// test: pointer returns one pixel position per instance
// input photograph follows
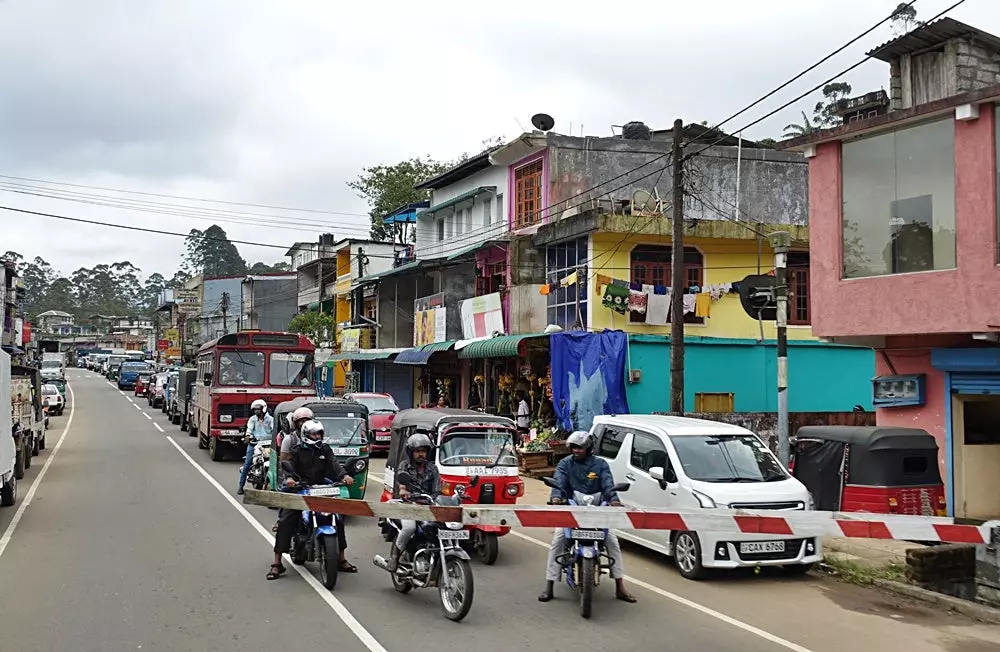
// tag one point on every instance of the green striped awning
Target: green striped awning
(438, 346)
(501, 346)
(362, 355)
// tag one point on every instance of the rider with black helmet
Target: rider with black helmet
(424, 479)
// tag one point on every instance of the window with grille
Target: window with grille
(650, 265)
(562, 259)
(492, 278)
(798, 289)
(528, 194)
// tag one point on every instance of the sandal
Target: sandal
(347, 567)
(277, 570)
(625, 597)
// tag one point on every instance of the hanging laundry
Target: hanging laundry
(620, 283)
(661, 289)
(658, 309)
(616, 298)
(637, 302)
(702, 304)
(569, 279)
(600, 281)
(689, 301)
(543, 289)
(718, 291)
(635, 287)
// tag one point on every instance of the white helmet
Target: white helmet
(582, 439)
(302, 414)
(312, 433)
(259, 403)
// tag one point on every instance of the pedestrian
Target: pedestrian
(523, 417)
(259, 428)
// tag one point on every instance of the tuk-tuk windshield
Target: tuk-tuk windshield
(341, 431)
(727, 458)
(477, 448)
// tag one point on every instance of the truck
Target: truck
(53, 365)
(28, 416)
(8, 449)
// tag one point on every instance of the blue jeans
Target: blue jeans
(247, 463)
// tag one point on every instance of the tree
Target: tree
(210, 253)
(264, 268)
(317, 326)
(768, 143)
(904, 18)
(387, 187)
(824, 115)
(794, 130)
(151, 289)
(37, 276)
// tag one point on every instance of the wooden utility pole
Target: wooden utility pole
(677, 281)
(225, 313)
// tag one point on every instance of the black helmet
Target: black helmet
(418, 440)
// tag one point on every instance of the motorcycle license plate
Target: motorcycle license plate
(325, 491)
(587, 535)
(453, 534)
(348, 452)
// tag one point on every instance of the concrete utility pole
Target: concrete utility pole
(780, 241)
(677, 276)
(225, 312)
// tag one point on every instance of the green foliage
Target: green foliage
(317, 326)
(264, 268)
(904, 18)
(863, 573)
(769, 143)
(387, 187)
(823, 113)
(210, 253)
(794, 130)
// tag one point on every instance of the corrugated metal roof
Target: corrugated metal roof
(930, 35)
(501, 346)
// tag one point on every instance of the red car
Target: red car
(382, 410)
(142, 385)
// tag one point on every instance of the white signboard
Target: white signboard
(482, 316)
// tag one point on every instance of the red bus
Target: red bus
(237, 369)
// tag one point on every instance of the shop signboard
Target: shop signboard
(350, 340)
(429, 320)
(173, 352)
(173, 336)
(187, 302)
(162, 345)
(481, 316)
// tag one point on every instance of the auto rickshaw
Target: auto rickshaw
(467, 444)
(880, 469)
(60, 384)
(345, 426)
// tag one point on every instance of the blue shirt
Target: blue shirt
(592, 475)
(260, 430)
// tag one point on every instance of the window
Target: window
(500, 213)
(492, 278)
(610, 442)
(291, 370)
(241, 368)
(487, 212)
(459, 221)
(562, 259)
(650, 265)
(727, 458)
(440, 230)
(528, 194)
(707, 402)
(899, 201)
(648, 451)
(371, 308)
(798, 289)
(343, 431)
(468, 220)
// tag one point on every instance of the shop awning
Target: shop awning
(402, 269)
(465, 196)
(421, 355)
(362, 355)
(501, 346)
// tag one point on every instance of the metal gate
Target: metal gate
(395, 380)
(975, 384)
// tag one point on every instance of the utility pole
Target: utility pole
(225, 312)
(677, 276)
(780, 241)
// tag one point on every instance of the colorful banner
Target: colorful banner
(429, 320)
(588, 376)
(481, 316)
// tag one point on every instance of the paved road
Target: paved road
(133, 540)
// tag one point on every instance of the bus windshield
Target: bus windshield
(241, 368)
(290, 370)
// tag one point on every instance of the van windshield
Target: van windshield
(51, 364)
(727, 458)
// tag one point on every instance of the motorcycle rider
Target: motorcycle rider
(260, 426)
(298, 417)
(588, 474)
(310, 461)
(425, 480)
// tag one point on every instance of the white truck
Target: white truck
(8, 451)
(53, 365)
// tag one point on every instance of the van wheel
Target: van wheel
(687, 555)
(8, 495)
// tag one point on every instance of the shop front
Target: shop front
(438, 374)
(501, 368)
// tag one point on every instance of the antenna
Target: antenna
(520, 126)
(543, 121)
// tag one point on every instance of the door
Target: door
(976, 456)
(645, 451)
(396, 380)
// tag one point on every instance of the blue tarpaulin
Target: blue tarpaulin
(588, 376)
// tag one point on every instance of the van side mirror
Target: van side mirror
(664, 476)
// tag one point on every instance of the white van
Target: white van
(676, 463)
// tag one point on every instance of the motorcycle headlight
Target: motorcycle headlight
(454, 526)
(360, 466)
(225, 418)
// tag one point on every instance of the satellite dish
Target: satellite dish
(542, 121)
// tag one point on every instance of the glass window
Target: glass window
(241, 368)
(343, 431)
(899, 201)
(562, 259)
(650, 265)
(727, 458)
(648, 451)
(500, 214)
(51, 364)
(488, 211)
(610, 442)
(291, 369)
(478, 448)
(377, 403)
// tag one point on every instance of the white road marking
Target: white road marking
(157, 426)
(146, 414)
(366, 638)
(9, 532)
(129, 399)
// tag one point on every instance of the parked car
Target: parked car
(179, 395)
(382, 410)
(676, 463)
(157, 390)
(169, 391)
(51, 395)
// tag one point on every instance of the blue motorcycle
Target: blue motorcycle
(316, 537)
(587, 558)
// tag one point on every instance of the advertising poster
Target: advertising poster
(429, 320)
(482, 316)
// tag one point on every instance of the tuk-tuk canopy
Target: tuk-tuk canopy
(874, 438)
(319, 407)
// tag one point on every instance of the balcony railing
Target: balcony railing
(461, 242)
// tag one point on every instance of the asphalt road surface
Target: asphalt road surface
(127, 537)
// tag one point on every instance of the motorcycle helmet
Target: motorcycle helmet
(418, 440)
(582, 439)
(301, 414)
(312, 433)
(258, 404)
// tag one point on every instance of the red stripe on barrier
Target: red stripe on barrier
(644, 521)
(864, 529)
(960, 533)
(762, 525)
(338, 506)
(545, 518)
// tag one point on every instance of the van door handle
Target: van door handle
(629, 476)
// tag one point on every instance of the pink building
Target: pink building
(904, 249)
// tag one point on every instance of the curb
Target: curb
(973, 610)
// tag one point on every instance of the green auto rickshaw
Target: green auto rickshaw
(345, 424)
(60, 384)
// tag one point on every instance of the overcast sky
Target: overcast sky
(282, 103)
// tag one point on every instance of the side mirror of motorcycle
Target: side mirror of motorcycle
(550, 482)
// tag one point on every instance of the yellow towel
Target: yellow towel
(703, 305)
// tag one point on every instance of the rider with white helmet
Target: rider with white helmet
(260, 427)
(423, 478)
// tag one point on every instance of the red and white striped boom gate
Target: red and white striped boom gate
(854, 525)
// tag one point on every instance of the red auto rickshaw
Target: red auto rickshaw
(880, 469)
(467, 444)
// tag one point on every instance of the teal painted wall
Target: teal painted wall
(821, 377)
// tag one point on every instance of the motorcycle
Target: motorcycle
(587, 557)
(433, 558)
(316, 537)
(257, 476)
